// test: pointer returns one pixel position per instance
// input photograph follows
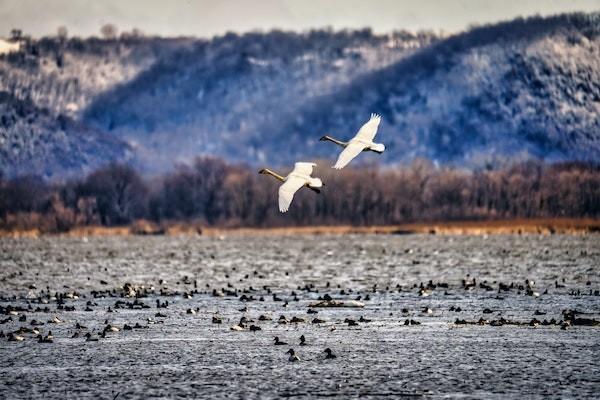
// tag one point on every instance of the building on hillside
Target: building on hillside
(10, 46)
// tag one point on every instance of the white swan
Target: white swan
(363, 141)
(299, 177)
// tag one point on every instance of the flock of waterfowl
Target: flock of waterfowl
(56, 307)
(301, 174)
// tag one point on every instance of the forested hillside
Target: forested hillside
(228, 96)
(518, 90)
(34, 140)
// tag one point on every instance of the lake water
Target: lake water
(178, 354)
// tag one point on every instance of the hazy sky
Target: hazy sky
(210, 17)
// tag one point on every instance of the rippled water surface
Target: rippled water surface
(185, 354)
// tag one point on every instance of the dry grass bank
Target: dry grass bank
(571, 226)
(522, 226)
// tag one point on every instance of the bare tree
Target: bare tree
(121, 194)
(135, 33)
(218, 193)
(16, 35)
(109, 31)
(62, 32)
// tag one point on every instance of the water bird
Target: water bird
(299, 177)
(161, 305)
(362, 141)
(329, 354)
(90, 338)
(293, 356)
(279, 342)
(46, 339)
(110, 328)
(302, 341)
(15, 338)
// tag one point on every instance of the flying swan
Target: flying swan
(299, 177)
(363, 141)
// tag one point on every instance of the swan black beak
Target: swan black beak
(323, 138)
(262, 171)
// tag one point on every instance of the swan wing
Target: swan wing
(286, 191)
(352, 150)
(303, 168)
(369, 129)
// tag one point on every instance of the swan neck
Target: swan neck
(334, 140)
(276, 175)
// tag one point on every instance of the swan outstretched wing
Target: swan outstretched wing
(287, 191)
(352, 150)
(303, 168)
(369, 129)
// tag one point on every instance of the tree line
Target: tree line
(212, 192)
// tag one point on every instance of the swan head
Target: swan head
(378, 147)
(316, 183)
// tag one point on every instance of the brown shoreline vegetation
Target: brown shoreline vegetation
(563, 226)
(213, 197)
